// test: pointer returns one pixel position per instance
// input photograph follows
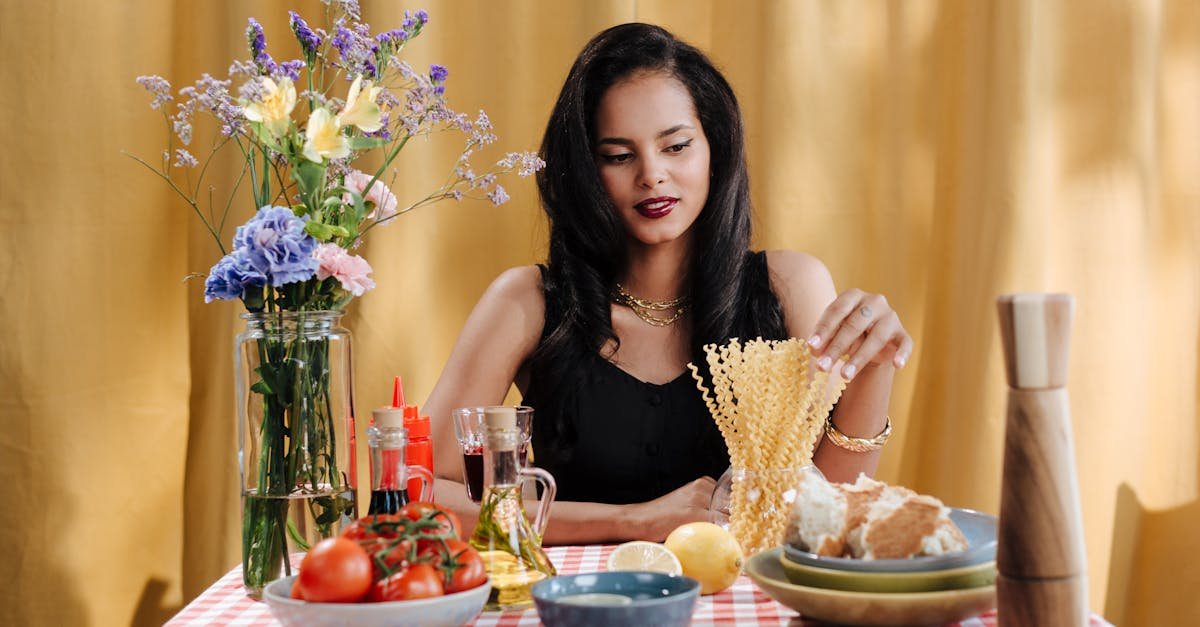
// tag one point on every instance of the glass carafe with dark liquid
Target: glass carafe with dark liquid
(510, 546)
(386, 440)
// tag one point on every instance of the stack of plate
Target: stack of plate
(921, 590)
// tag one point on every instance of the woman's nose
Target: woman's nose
(651, 173)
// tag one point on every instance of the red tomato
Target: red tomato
(336, 570)
(296, 592)
(460, 564)
(432, 520)
(371, 527)
(418, 581)
(388, 555)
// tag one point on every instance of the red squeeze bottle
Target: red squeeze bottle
(419, 451)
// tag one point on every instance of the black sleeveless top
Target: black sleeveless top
(635, 441)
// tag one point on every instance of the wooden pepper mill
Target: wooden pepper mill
(1040, 556)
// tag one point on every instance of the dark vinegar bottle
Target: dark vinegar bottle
(386, 441)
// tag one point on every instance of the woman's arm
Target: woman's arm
(499, 336)
(876, 343)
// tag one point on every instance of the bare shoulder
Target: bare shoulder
(515, 302)
(792, 267)
(804, 287)
(519, 285)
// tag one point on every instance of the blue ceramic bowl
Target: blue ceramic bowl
(619, 599)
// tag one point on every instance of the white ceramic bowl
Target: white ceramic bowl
(451, 610)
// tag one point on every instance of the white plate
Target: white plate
(450, 610)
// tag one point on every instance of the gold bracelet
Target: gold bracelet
(857, 445)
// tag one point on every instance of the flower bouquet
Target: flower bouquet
(298, 128)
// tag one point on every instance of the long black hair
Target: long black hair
(588, 241)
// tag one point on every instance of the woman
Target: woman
(646, 191)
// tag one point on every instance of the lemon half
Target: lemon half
(641, 555)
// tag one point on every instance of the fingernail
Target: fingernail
(900, 361)
(824, 363)
(814, 341)
(848, 372)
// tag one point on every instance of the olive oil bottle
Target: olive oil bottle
(509, 545)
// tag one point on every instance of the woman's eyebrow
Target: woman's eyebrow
(621, 141)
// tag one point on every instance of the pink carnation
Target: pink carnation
(350, 270)
(384, 199)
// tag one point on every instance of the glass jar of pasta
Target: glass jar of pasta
(758, 502)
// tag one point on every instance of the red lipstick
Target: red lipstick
(655, 208)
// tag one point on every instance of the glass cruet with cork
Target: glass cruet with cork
(386, 441)
(509, 545)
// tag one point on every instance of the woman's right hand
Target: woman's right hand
(687, 503)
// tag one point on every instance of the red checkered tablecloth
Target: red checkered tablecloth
(226, 603)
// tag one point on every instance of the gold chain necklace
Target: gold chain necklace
(644, 308)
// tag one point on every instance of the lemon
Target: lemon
(640, 555)
(708, 554)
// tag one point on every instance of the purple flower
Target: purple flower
(309, 41)
(498, 196)
(350, 8)
(256, 38)
(526, 163)
(414, 21)
(229, 278)
(184, 159)
(258, 47)
(290, 69)
(277, 246)
(392, 37)
(357, 49)
(213, 96)
(343, 40)
(383, 132)
(159, 87)
(438, 73)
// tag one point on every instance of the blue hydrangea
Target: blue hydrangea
(229, 277)
(276, 245)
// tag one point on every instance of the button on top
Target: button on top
(655, 399)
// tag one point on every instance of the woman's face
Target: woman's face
(652, 156)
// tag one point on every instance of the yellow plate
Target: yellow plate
(983, 574)
(867, 608)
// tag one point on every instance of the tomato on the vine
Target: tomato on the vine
(432, 520)
(418, 581)
(336, 570)
(372, 527)
(459, 563)
(388, 555)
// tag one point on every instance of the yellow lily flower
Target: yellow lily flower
(275, 109)
(323, 137)
(360, 109)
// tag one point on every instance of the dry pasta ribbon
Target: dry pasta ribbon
(769, 402)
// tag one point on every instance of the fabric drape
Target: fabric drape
(939, 152)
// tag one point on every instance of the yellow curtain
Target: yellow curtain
(939, 152)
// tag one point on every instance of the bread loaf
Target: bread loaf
(870, 520)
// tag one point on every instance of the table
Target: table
(226, 603)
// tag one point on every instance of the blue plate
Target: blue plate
(978, 528)
(618, 599)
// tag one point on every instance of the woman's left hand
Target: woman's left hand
(864, 328)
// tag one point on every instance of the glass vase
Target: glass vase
(295, 437)
(758, 503)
